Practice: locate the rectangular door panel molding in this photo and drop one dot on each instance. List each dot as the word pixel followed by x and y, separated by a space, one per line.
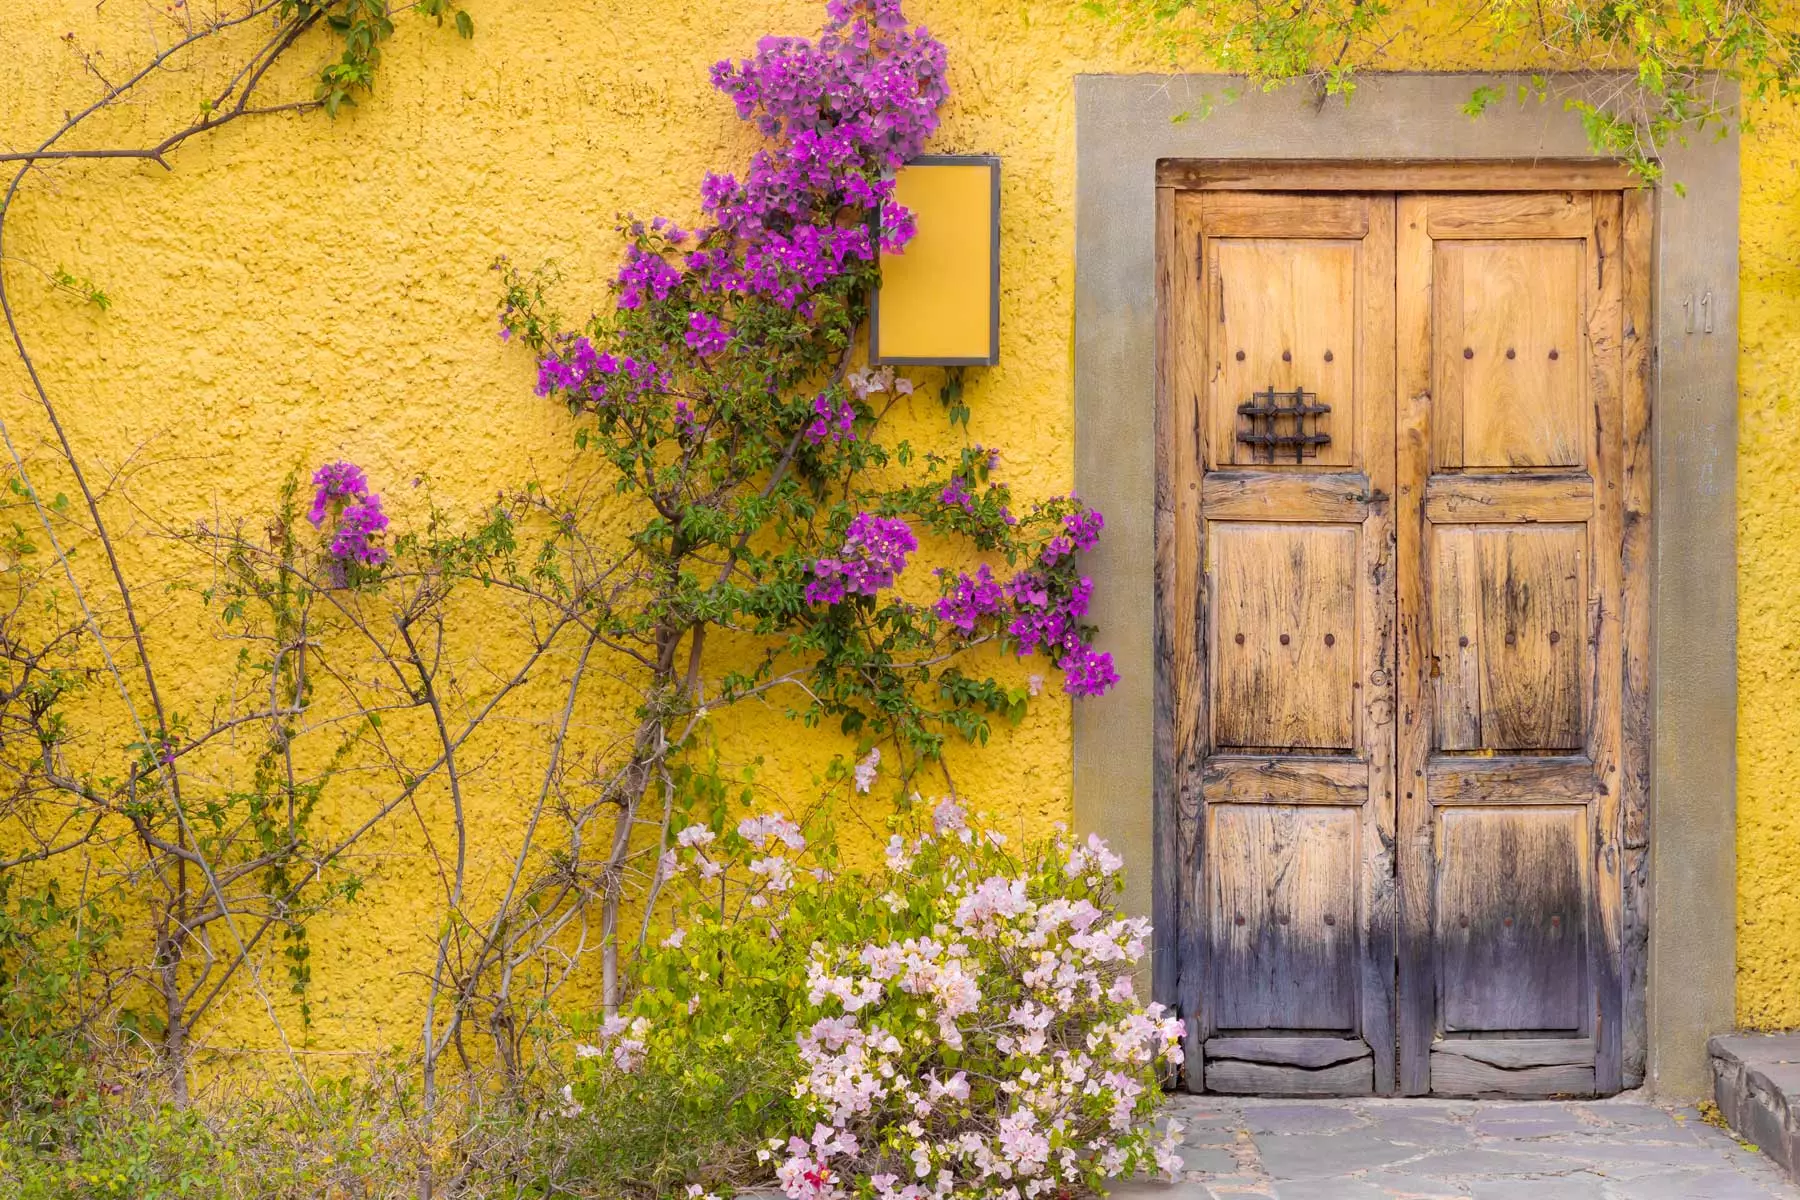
pixel 1230 1077
pixel 1283 908
pixel 1512 215
pixel 1327 498
pixel 1287 323
pixel 1507 342
pixel 1534 779
pixel 1511 918
pixel 1285 779
pixel 1508 613
pixel 1286 648
pixel 1456 1075
pixel 1508 499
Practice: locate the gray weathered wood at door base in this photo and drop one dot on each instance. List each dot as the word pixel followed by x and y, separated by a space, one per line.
pixel 1454 1075
pixel 1356 1078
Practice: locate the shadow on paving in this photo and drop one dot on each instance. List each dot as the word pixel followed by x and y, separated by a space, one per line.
pixel 1474 1150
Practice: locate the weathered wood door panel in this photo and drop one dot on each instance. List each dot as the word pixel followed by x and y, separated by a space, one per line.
pixel 1406 432
pixel 1510 321
pixel 1286 337
pixel 1507 607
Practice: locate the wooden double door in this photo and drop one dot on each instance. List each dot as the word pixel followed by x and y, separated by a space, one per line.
pixel 1408 441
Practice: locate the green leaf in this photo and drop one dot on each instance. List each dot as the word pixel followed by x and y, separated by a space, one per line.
pixel 1480 100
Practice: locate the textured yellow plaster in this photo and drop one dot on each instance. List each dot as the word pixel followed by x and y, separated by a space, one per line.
pixel 300 289
pixel 1769 576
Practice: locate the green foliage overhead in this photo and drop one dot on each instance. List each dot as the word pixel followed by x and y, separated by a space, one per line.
pixel 1642 73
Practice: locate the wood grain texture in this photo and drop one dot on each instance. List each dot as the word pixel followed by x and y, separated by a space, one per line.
pixel 1414 442
pixel 1454 1075
pixel 1285 779
pixel 1508 499
pixel 1289 319
pixel 1450 752
pixel 1279 216
pixel 1311 1053
pixel 1262 1079
pixel 1457 650
pixel 1165 908
pixel 1534 779
pixel 1282 905
pixel 1532 590
pixel 1184 604
pixel 1508 613
pixel 1511 917
pixel 1441 374
pixel 1514 1053
pixel 1605 331
pixel 1284 635
pixel 1509 215
pixel 1375 640
pixel 1392 175
pixel 1508 364
pixel 1328 498
pixel 1520 563
pixel 1637 224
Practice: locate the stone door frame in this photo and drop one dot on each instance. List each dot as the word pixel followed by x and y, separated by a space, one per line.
pixel 1126 127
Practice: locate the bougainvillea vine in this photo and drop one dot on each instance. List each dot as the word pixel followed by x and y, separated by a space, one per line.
pixel 709 369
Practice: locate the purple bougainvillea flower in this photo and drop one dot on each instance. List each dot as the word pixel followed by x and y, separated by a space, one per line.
pixel 875 550
pixel 705 335
pixel 360 520
pixel 833 421
pixel 645 275
pixel 1087 672
pixel 973 599
pixel 334 481
pixel 957 494
pixel 687 425
pixel 1084 529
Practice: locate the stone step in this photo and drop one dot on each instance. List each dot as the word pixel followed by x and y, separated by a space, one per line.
pixel 1756 1084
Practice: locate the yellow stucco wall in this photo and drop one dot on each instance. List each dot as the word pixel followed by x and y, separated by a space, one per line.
pixel 302 289
pixel 1769 577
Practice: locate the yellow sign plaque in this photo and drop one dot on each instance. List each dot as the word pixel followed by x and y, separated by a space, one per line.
pixel 939 299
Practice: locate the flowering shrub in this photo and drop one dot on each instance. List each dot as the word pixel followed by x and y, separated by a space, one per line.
pixel 959 1021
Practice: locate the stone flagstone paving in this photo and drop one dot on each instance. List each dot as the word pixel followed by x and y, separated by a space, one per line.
pixel 1476 1150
